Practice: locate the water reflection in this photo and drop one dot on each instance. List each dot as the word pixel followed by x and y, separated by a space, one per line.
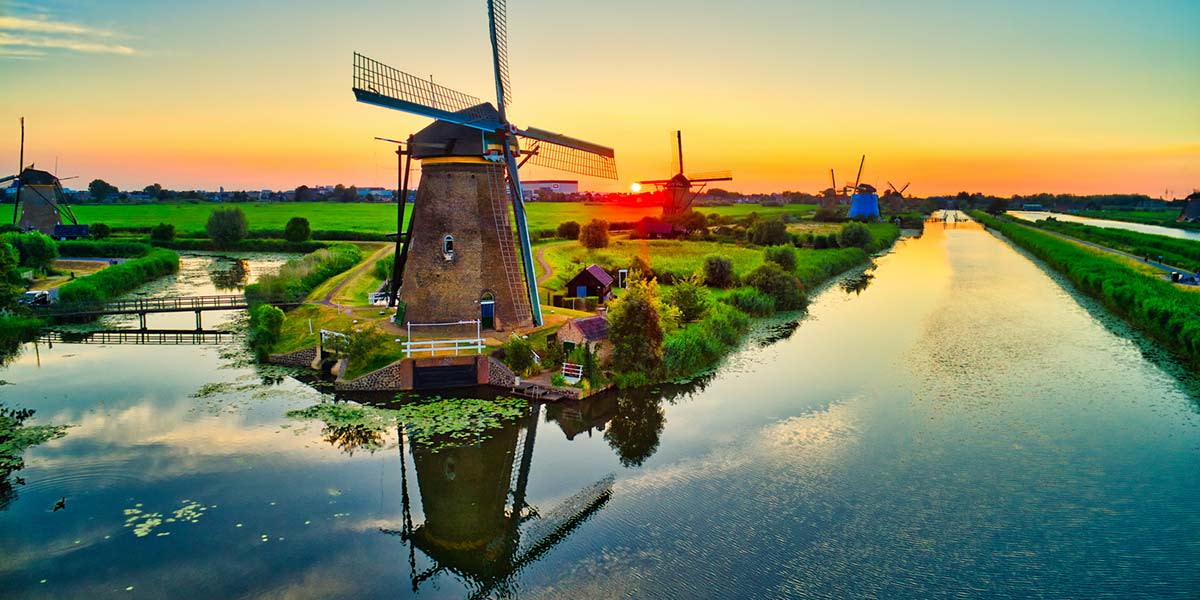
pixel 228 274
pixel 478 525
pixel 855 284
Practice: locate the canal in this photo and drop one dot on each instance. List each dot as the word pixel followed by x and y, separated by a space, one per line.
pixel 953 423
pixel 1172 232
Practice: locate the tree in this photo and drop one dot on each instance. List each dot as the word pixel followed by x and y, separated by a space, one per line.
pixel 10 276
pixel 641 268
pixel 100 190
pixel 594 234
pixel 781 286
pixel 784 256
pixel 768 233
pixel 718 272
pixel 305 194
pixel 568 230
pixel 518 355
pixel 227 226
pixel 830 214
pixel 996 206
pixel 99 231
pixel 635 431
pixel 36 250
pixel 855 235
pixel 636 332
pixel 691 298
pixel 152 190
pixel 297 230
pixel 163 232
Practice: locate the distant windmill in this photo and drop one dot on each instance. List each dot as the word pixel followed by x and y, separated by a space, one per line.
pixel 679 194
pixel 463 260
pixel 898 192
pixel 864 202
pixel 40 203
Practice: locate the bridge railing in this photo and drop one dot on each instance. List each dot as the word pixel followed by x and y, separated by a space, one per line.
pixel 433 347
pixel 138 305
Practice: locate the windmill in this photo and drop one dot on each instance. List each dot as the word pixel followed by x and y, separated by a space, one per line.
pixel 864 202
pixel 40 203
pixel 896 192
pixel 462 262
pixel 679 194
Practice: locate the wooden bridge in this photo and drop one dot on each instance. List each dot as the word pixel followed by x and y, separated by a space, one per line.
pixel 144 306
pixel 138 337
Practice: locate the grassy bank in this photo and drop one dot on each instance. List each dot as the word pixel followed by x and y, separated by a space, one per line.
pixel 1174 251
pixel 1162 218
pixel 120 279
pixel 374 219
pixel 299 276
pixel 1154 306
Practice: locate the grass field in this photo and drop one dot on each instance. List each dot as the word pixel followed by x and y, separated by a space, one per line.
pixel 373 218
pixel 679 258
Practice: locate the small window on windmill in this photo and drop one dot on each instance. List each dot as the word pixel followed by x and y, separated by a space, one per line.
pixel 448 247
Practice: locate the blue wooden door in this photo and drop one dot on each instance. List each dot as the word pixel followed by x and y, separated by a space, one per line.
pixel 487 314
pixel 581 291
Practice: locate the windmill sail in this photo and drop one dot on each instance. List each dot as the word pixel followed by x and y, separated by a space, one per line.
pixel 381 85
pixel 564 153
pixel 498 28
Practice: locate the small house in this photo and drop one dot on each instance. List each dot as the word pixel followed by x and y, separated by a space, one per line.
pixel 592 281
pixel 592 331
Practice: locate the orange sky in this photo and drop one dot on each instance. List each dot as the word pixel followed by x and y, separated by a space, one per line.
pixel 1017 98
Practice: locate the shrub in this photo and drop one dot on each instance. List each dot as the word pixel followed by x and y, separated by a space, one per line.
pixel 383 268
pixel 227 226
pixel 568 230
pixel 751 302
pixel 594 234
pixel 518 356
pixel 10 277
pixel 690 297
pixel 266 322
pixel 557 380
pixel 99 231
pixel 297 230
pixel 784 256
pixel 697 347
pixel 163 232
pixel 768 233
pixel 855 235
pixel 299 276
pixel 362 345
pixel 641 269
pixel 718 272
pixel 783 287
pixel 36 250
pixel 830 214
pixel 119 279
pixel 636 331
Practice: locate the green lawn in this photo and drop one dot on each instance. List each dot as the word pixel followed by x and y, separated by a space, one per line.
pixel 373 218
pixel 674 256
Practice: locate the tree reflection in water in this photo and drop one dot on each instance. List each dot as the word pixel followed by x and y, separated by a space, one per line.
pixel 15 438
pixel 636 429
pixel 229 273
pixel 855 284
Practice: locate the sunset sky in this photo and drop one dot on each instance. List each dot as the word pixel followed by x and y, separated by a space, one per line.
pixel 999 97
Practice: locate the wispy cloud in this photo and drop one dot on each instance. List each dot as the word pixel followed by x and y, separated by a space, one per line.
pixel 27 37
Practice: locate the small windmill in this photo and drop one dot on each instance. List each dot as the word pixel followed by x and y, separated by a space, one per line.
pixel 897 192
pixel 40 203
pixel 463 260
pixel 864 202
pixel 679 188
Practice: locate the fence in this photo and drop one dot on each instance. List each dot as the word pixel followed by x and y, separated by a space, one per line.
pixel 572 372
pixel 456 345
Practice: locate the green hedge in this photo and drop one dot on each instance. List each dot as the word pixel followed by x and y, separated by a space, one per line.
pixel 119 279
pixel 1174 251
pixel 299 276
pixel 1155 306
pixel 106 248
pixel 247 245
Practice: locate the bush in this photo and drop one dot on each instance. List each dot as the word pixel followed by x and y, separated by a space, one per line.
pixel 299 276
pixel 36 250
pixel 784 256
pixel 108 249
pixel 691 298
pixel 297 230
pixel 266 322
pixel 227 226
pixel 855 235
pixel 119 279
pixel 751 302
pixel 594 234
pixel 99 231
pixel 697 347
pixel 636 331
pixel 769 233
pixel 247 245
pixel 362 345
pixel 783 287
pixel 718 272
pixel 568 230
pixel 163 232
pixel 383 268
pixel 518 356
pixel 830 214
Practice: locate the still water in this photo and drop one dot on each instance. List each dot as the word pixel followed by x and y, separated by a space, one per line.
pixel 954 423
pixel 1183 234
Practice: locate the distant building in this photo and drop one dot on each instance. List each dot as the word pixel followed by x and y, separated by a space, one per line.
pixel 592 281
pixel 1191 210
pixel 533 189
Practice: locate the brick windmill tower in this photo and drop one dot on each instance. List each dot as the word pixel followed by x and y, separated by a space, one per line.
pixel 460 260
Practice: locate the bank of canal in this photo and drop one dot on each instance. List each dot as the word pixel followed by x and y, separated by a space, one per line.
pixel 960 424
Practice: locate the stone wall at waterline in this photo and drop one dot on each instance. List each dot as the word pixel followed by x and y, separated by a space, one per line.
pixel 300 358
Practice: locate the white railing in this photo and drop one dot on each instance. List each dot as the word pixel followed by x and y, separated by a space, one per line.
pixel 457 346
pixel 572 372
pixel 432 347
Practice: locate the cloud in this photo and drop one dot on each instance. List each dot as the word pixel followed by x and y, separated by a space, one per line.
pixel 24 37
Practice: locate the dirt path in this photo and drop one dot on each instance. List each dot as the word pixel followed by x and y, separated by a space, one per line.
pixel 547 270
pixel 366 264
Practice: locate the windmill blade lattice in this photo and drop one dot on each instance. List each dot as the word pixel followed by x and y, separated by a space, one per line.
pixel 563 153
pixel 379 84
pixel 498 22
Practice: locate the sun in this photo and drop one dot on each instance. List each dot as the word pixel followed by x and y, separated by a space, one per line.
pixel 635 187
